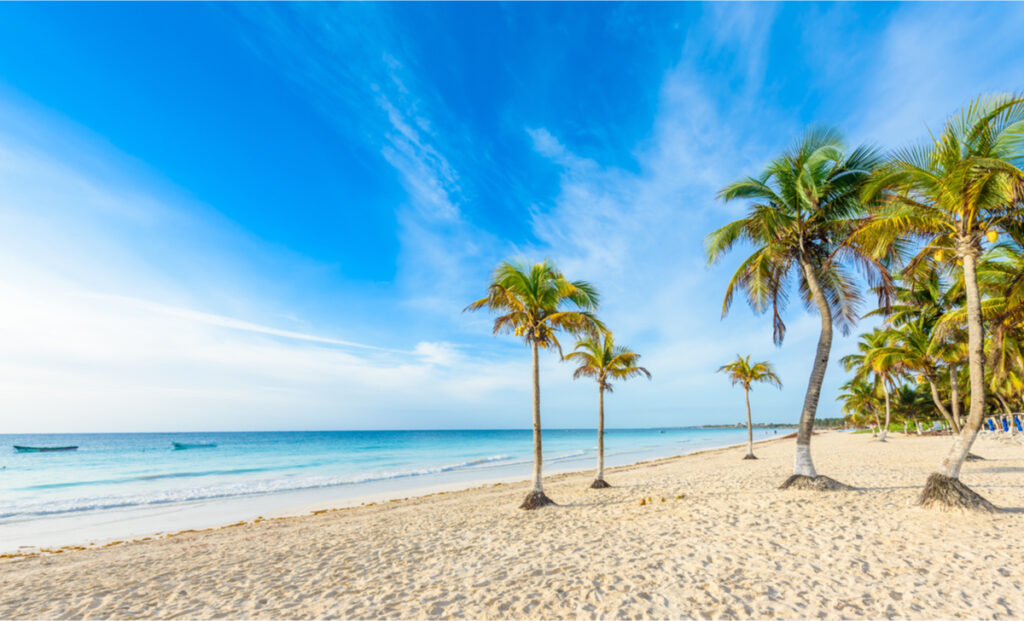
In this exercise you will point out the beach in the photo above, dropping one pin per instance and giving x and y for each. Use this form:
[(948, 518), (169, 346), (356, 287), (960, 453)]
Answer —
[(724, 543)]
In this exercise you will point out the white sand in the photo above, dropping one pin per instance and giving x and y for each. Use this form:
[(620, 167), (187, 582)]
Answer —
[(733, 547)]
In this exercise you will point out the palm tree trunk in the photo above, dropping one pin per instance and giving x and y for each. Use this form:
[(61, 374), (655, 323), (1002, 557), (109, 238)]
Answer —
[(954, 396), (885, 430), (750, 426), (599, 482), (804, 473), (536, 498), (944, 488), (937, 400)]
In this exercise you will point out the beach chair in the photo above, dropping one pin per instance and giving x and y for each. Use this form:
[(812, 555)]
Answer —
[(1016, 421), (1006, 425)]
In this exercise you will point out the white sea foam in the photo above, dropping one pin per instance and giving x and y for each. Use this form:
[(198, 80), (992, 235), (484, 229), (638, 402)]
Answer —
[(247, 488)]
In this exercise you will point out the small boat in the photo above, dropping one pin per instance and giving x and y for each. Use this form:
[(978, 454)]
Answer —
[(180, 446), (43, 449)]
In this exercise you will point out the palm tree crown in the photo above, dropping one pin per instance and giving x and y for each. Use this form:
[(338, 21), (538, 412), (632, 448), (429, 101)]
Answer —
[(532, 300), (741, 371), (603, 360), (950, 191), (804, 205)]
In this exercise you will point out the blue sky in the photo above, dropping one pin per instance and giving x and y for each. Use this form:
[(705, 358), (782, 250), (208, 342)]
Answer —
[(270, 216)]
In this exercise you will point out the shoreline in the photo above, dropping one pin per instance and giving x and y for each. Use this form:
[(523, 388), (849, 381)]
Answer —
[(303, 509)]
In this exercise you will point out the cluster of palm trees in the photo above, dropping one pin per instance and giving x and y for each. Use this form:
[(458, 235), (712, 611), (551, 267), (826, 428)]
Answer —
[(536, 302), (936, 230)]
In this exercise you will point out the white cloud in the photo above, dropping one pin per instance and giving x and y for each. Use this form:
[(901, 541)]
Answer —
[(113, 319)]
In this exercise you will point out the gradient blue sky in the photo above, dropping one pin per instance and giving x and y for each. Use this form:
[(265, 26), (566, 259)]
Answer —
[(270, 216)]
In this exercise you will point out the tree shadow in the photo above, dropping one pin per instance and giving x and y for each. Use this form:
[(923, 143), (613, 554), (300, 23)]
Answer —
[(1001, 469)]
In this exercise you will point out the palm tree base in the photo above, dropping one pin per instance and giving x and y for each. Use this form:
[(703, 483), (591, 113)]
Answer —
[(942, 492), (973, 457), (599, 484), (818, 483), (749, 456), (536, 500)]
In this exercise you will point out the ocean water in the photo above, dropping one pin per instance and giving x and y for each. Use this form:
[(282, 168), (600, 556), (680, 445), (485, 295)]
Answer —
[(140, 482)]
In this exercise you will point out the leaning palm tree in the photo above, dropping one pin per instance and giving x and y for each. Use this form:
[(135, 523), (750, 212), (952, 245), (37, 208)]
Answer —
[(741, 371), (953, 191), (531, 302), (803, 207), (603, 360)]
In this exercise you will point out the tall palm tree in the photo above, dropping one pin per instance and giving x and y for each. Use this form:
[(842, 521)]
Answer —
[(741, 371), (603, 360), (803, 207), (953, 191), (532, 302)]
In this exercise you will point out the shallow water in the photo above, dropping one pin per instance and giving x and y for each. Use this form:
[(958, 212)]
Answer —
[(139, 477)]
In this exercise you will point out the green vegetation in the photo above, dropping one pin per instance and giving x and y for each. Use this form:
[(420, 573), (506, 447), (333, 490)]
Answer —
[(937, 231)]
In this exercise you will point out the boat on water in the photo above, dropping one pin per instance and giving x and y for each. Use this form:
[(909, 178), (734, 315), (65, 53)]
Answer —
[(180, 446), (43, 449)]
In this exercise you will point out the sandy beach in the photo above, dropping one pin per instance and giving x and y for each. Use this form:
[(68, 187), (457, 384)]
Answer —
[(732, 547)]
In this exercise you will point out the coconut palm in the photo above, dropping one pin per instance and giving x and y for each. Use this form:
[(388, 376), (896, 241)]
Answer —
[(803, 207), (860, 400), (914, 350), (921, 302), (953, 191), (600, 358), (533, 302), (879, 360), (741, 371)]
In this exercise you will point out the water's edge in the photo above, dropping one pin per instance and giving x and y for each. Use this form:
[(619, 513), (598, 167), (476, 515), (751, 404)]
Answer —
[(102, 527)]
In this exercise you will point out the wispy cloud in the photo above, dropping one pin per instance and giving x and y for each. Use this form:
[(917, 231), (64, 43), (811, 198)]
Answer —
[(349, 67), (107, 323)]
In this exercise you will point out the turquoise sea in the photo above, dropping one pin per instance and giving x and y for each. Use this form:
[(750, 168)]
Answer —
[(141, 481)]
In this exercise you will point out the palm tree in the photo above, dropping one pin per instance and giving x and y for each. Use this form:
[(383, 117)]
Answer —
[(803, 207), (919, 306), (531, 303), (914, 350), (603, 360), (881, 357), (953, 191), (860, 400), (740, 371)]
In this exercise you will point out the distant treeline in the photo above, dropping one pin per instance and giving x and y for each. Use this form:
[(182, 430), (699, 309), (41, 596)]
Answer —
[(755, 426), (829, 423)]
